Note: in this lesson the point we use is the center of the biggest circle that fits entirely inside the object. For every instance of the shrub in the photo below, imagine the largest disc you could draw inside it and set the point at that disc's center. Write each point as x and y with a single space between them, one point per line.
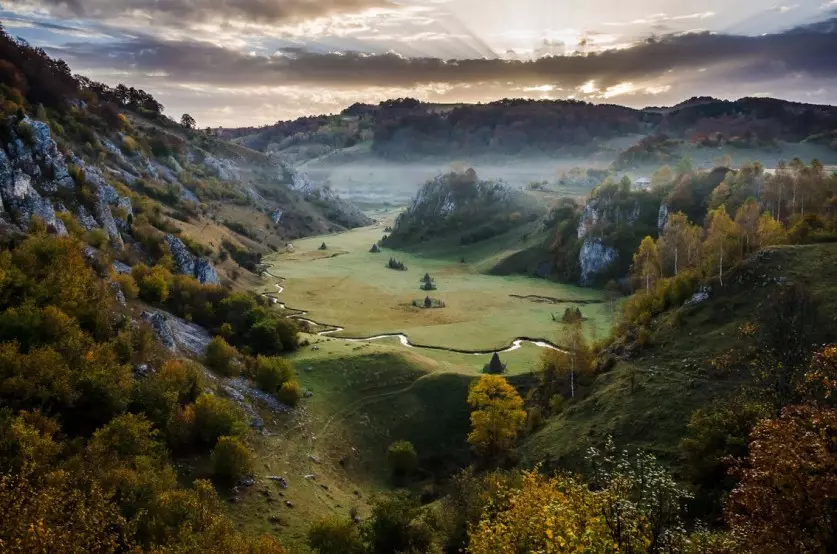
129 145
220 356
154 286
272 372
26 133
216 417
335 536
128 286
231 460
289 393
402 459
96 237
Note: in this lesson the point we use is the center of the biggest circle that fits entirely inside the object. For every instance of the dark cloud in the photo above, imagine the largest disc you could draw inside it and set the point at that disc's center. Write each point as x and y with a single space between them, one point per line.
808 51
254 10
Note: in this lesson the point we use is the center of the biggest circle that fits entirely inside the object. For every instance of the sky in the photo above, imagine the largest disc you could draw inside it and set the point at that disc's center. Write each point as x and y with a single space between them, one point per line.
238 63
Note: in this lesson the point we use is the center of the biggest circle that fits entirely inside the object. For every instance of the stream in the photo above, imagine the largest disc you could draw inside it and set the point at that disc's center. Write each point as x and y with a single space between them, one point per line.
299 315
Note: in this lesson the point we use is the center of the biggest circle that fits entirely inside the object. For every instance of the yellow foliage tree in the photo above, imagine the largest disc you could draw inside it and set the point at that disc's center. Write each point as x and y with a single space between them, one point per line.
646 267
720 246
551 516
679 244
496 417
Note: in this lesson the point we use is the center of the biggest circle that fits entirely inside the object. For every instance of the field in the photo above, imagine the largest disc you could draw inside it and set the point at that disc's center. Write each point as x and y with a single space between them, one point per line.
348 286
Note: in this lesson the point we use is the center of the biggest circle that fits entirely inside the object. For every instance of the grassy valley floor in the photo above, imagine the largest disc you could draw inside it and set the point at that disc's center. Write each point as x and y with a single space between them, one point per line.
349 286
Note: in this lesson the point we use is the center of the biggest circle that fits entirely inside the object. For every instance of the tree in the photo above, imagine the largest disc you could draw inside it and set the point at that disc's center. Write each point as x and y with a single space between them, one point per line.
496 416
662 177
646 266
747 222
719 247
579 354
771 231
495 366
785 500
188 121
231 460
402 459
679 244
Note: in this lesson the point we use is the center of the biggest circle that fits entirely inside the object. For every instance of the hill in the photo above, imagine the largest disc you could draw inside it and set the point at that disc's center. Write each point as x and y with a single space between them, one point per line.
462 205
109 159
408 130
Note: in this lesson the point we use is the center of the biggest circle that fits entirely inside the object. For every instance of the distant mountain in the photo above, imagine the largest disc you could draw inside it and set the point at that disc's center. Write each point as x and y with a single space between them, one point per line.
409 130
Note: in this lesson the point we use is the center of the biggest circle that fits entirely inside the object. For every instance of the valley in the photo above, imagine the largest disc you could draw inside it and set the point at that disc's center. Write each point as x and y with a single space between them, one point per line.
348 286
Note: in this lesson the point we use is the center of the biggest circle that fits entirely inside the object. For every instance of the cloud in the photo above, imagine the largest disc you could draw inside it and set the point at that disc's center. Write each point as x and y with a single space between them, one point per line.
800 51
251 10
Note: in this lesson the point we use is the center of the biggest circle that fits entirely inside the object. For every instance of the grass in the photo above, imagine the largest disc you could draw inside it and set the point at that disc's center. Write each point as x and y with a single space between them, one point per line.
347 285
364 398
647 402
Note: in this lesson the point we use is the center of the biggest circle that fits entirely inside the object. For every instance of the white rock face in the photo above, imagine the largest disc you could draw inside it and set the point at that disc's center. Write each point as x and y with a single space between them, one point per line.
186 263
276 216
595 257
21 199
223 169
662 217
600 210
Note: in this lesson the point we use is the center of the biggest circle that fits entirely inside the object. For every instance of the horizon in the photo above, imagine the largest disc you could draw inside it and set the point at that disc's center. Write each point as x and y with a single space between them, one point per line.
463 104
254 63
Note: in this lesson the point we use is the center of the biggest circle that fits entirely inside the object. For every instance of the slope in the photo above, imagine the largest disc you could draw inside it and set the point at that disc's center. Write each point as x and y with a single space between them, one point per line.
647 400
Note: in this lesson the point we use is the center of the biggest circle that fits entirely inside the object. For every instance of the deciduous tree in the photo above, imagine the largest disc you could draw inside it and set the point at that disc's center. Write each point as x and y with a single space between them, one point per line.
496 416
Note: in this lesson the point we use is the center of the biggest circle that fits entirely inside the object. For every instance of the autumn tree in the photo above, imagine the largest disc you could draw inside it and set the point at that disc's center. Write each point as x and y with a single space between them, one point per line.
646 266
770 231
719 246
496 416
785 500
679 244
747 223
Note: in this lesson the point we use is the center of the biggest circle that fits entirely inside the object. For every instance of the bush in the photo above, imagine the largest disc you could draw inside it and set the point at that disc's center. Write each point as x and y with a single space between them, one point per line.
216 417
128 286
272 373
289 393
96 238
220 356
335 536
129 145
231 460
154 287
402 459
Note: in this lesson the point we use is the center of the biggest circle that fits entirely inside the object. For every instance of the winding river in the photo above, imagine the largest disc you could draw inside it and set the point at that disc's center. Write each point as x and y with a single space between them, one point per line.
299 315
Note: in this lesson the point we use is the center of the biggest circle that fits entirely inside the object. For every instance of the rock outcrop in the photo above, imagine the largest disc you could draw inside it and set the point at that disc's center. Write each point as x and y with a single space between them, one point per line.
595 258
22 201
223 169
662 216
187 263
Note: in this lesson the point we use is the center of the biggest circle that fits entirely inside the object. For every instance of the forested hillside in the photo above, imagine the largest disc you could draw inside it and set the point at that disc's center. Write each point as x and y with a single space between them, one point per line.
409 130
129 364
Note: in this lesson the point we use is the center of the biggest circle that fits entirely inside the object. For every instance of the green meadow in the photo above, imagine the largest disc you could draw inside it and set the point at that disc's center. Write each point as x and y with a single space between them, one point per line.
346 285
